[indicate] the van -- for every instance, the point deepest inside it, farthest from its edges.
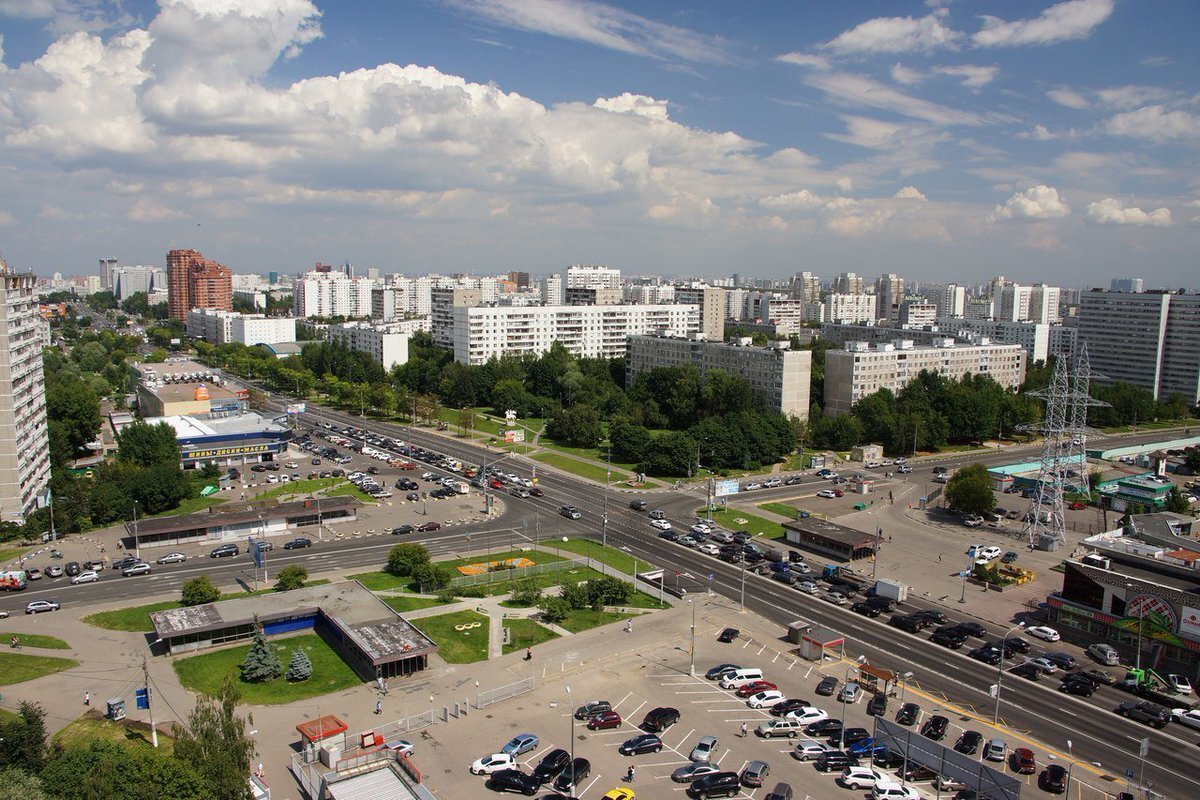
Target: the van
(782, 791)
(740, 677)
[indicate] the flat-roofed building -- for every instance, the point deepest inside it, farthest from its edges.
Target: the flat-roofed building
(445, 299)
(385, 342)
(778, 375)
(224, 327)
(711, 301)
(228, 441)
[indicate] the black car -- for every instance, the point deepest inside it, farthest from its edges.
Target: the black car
(716, 672)
(988, 655)
(886, 758)
(400, 530)
(1053, 779)
(1061, 660)
(826, 727)
(72, 569)
(1027, 671)
(670, 536)
(123, 563)
(935, 727)
(575, 772)
(513, 780)
(297, 543)
(866, 609)
(882, 603)
(827, 686)
(908, 713)
(551, 765)
(718, 784)
(786, 577)
(948, 637)
(224, 551)
(1017, 644)
(646, 743)
(782, 709)
(834, 760)
(659, 719)
(1145, 712)
(917, 772)
(1080, 687)
(877, 707)
(728, 635)
(638, 505)
(972, 629)
(849, 736)
(909, 622)
(934, 616)
(968, 743)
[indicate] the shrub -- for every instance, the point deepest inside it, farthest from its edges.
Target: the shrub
(300, 667)
(403, 559)
(199, 591)
(554, 609)
(291, 577)
(262, 663)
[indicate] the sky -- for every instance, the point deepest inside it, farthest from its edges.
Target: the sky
(945, 140)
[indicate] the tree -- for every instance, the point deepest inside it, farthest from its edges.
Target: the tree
(554, 609)
(1177, 501)
(630, 442)
(103, 769)
(404, 558)
(74, 413)
(609, 591)
(673, 454)
(300, 666)
(19, 783)
(970, 490)
(23, 739)
(215, 744)
(159, 488)
(262, 663)
(147, 445)
(198, 591)
(291, 577)
(1192, 459)
(431, 577)
(578, 426)
(101, 301)
(136, 305)
(526, 593)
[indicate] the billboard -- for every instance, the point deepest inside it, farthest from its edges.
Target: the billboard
(512, 436)
(1189, 622)
(295, 408)
(726, 487)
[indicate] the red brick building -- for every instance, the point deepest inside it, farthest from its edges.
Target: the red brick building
(194, 281)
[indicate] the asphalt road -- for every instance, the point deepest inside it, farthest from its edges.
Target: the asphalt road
(1037, 710)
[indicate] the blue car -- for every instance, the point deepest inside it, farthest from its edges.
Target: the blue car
(862, 747)
(521, 743)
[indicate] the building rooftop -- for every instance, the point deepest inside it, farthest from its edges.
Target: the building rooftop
(170, 367)
(186, 392)
(283, 348)
(239, 513)
(193, 426)
(833, 532)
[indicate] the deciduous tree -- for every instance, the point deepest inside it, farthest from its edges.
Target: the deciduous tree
(214, 743)
(969, 491)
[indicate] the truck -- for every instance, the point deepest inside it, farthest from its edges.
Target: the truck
(13, 580)
(893, 590)
(1148, 684)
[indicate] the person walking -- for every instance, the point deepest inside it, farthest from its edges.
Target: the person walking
(745, 729)
(528, 654)
(87, 698)
(378, 706)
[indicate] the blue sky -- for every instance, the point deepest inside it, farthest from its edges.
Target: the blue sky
(946, 140)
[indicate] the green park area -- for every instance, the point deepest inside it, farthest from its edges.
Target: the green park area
(461, 636)
(93, 727)
(736, 519)
(40, 641)
(404, 603)
(136, 619)
(524, 633)
(18, 668)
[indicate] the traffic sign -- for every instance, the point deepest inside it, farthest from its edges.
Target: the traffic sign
(1129, 774)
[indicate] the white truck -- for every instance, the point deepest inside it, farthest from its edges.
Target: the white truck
(13, 580)
(893, 590)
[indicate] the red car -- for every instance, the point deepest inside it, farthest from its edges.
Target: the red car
(430, 526)
(604, 721)
(1023, 761)
(839, 493)
(495, 484)
(1077, 506)
(754, 688)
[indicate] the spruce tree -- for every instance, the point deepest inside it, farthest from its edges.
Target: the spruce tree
(300, 667)
(261, 664)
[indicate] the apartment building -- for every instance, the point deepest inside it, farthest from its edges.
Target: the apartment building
(128, 281)
(223, 327)
(1129, 285)
(194, 281)
(889, 292)
(777, 374)
(848, 283)
(861, 369)
(587, 296)
(807, 287)
(553, 291)
(485, 332)
(441, 316)
(1150, 339)
(1039, 339)
(585, 276)
(951, 300)
(711, 300)
(387, 342)
(24, 441)
(331, 294)
(848, 308)
(786, 313)
(916, 313)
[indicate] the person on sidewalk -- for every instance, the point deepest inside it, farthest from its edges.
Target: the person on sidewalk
(87, 698)
(629, 626)
(528, 654)
(378, 706)
(745, 729)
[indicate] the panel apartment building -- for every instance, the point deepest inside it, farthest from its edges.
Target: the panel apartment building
(486, 332)
(861, 369)
(387, 343)
(194, 281)
(24, 441)
(1147, 339)
(778, 375)
(331, 294)
(223, 327)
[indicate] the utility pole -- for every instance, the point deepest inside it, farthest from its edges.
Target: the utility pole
(149, 705)
(604, 520)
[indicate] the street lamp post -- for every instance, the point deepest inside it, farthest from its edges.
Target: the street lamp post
(842, 734)
(571, 714)
(604, 519)
(1000, 670)
(692, 667)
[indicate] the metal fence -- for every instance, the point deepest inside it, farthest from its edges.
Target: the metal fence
(487, 697)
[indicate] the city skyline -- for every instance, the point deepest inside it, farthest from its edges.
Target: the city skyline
(948, 143)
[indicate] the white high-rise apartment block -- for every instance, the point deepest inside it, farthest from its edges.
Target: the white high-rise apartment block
(127, 281)
(785, 313)
(582, 276)
(24, 439)
(777, 374)
(107, 265)
(332, 294)
(849, 308)
(951, 301)
(386, 342)
(486, 332)
(441, 315)
(254, 282)
(1129, 285)
(917, 313)
(735, 303)
(647, 293)
(889, 291)
(225, 327)
(554, 292)
(848, 283)
(807, 287)
(1044, 304)
(1014, 303)
(711, 300)
(862, 369)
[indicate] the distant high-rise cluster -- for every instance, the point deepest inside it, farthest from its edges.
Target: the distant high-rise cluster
(194, 281)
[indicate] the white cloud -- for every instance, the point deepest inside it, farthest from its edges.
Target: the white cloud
(1109, 211)
(1068, 98)
(804, 60)
(68, 16)
(973, 76)
(634, 104)
(601, 25)
(909, 193)
(850, 89)
(1122, 97)
(1038, 202)
(895, 35)
(906, 76)
(800, 199)
(1074, 19)
(1155, 123)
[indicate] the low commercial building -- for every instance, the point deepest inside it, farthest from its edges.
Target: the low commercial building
(777, 374)
(237, 524)
(829, 539)
(227, 441)
(173, 388)
(861, 369)
(1148, 491)
(372, 638)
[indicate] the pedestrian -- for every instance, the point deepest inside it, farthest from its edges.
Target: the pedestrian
(385, 687)
(939, 558)
(378, 706)
(87, 698)
(629, 775)
(629, 626)
(745, 728)
(528, 654)
(260, 769)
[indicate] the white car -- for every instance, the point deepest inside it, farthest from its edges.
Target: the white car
(1179, 684)
(809, 749)
(860, 777)
(830, 493)
(493, 763)
(750, 487)
(771, 483)
(1044, 664)
(808, 715)
(973, 520)
(709, 549)
(1043, 632)
(703, 527)
(1187, 716)
(904, 469)
(889, 789)
(172, 558)
(765, 699)
(38, 606)
(87, 576)
(661, 524)
(991, 553)
(808, 587)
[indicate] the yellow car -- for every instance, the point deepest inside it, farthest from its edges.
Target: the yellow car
(619, 793)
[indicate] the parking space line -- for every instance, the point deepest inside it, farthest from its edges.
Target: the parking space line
(636, 710)
(706, 691)
(622, 700)
(590, 785)
(535, 755)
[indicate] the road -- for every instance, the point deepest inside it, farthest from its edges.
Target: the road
(1036, 709)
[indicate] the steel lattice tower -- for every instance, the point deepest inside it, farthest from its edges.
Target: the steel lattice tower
(1045, 516)
(1077, 428)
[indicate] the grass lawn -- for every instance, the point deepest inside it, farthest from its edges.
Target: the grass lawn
(454, 646)
(353, 491)
(611, 556)
(299, 487)
(583, 469)
(757, 526)
(190, 505)
(782, 509)
(38, 640)
(380, 581)
(8, 716)
(582, 619)
(135, 619)
(204, 672)
(15, 668)
(9, 553)
(643, 600)
(526, 633)
(92, 727)
(407, 603)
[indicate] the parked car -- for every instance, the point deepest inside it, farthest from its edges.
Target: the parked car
(605, 720)
(995, 750)
(908, 713)
(551, 765)
(1044, 632)
(1053, 779)
(719, 784)
(140, 568)
(429, 526)
(756, 772)
(38, 606)
(968, 743)
(705, 749)
(659, 719)
(224, 551)
(513, 780)
(87, 576)
(690, 772)
(591, 709)
(809, 749)
(521, 743)
(125, 561)
(935, 727)
(860, 777)
(297, 543)
(171, 558)
(1023, 762)
(488, 765)
(646, 743)
(877, 707)
(576, 771)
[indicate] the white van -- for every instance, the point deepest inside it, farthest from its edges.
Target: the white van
(740, 677)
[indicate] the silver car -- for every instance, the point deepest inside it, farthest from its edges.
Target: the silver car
(704, 749)
(689, 772)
